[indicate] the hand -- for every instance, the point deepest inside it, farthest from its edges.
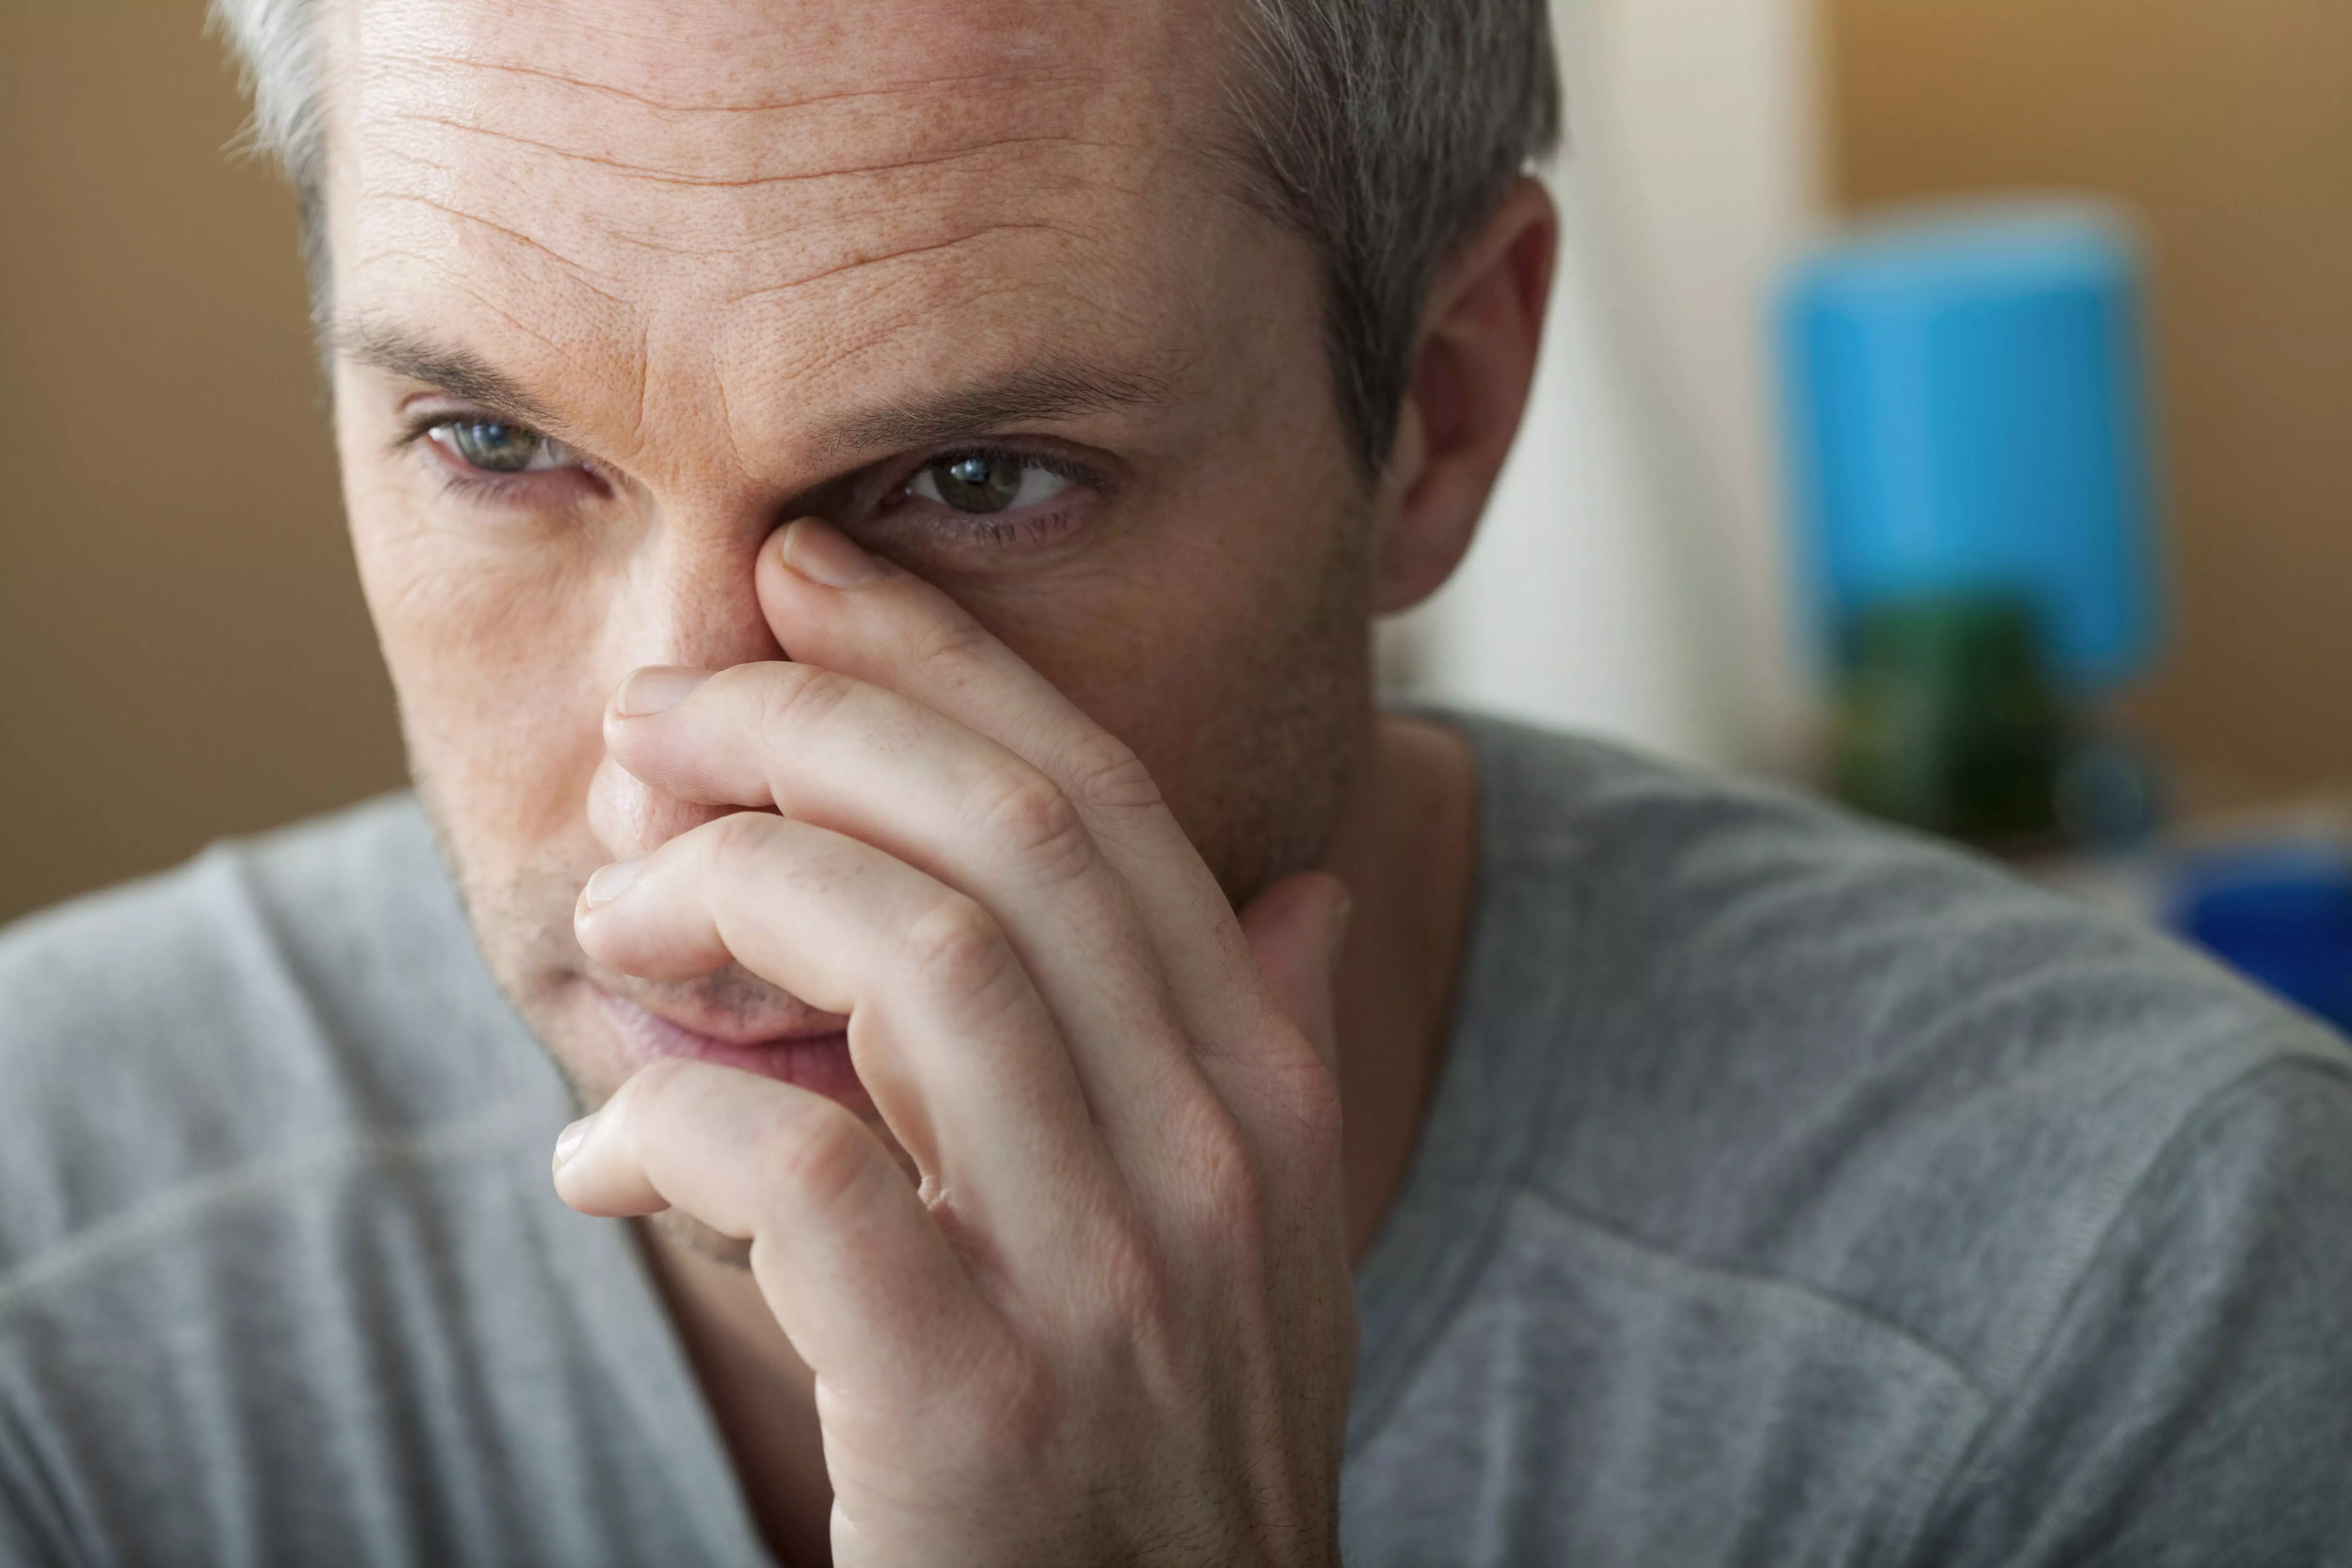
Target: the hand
(1114, 1324)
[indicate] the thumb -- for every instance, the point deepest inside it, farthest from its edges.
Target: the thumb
(1296, 930)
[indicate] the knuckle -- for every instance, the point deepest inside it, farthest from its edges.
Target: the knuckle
(1131, 1278)
(1027, 813)
(956, 949)
(1226, 1192)
(796, 696)
(1316, 1115)
(952, 646)
(1105, 773)
(821, 1156)
(1304, 1093)
(1236, 1196)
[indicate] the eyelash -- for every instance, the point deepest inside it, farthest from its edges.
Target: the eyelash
(416, 433)
(996, 529)
(986, 528)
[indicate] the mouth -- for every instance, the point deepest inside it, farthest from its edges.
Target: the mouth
(815, 1059)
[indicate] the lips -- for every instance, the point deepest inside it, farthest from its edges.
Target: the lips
(814, 1058)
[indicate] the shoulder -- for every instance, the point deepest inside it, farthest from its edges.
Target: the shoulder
(242, 907)
(275, 1000)
(2192, 1400)
(1791, 1046)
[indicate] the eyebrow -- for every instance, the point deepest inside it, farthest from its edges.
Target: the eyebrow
(1050, 389)
(458, 371)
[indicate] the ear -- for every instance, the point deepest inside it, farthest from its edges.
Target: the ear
(1472, 368)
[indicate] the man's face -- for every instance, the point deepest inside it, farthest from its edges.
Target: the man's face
(959, 276)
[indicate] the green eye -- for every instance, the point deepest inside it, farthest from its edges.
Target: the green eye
(499, 448)
(986, 482)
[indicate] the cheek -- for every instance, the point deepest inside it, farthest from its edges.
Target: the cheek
(1205, 641)
(490, 650)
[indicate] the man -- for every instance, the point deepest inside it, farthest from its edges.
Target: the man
(873, 514)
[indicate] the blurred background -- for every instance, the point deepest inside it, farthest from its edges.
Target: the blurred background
(186, 653)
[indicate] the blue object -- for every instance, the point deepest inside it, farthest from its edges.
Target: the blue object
(2280, 914)
(1967, 412)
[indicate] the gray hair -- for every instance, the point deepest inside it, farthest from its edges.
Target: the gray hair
(1384, 130)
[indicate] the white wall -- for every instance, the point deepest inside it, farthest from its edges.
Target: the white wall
(1630, 578)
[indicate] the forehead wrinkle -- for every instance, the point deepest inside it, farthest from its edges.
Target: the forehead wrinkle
(1007, 100)
(862, 209)
(870, 328)
(906, 87)
(665, 177)
(581, 270)
(511, 126)
(1013, 99)
(906, 253)
(447, 82)
(752, 56)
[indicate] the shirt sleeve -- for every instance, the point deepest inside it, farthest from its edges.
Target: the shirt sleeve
(2194, 1403)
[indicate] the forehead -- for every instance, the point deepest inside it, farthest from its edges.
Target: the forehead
(696, 206)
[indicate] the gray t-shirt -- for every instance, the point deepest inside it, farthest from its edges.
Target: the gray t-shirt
(1793, 1193)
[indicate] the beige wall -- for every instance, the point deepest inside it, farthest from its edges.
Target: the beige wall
(2227, 124)
(182, 648)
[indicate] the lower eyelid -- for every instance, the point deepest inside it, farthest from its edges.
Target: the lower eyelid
(1045, 521)
(527, 488)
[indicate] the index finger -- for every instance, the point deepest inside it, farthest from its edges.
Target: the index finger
(857, 1273)
(834, 604)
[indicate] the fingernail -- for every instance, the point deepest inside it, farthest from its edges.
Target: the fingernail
(611, 881)
(568, 1141)
(825, 555)
(657, 688)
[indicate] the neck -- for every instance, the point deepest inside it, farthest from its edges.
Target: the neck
(1405, 844)
(761, 1395)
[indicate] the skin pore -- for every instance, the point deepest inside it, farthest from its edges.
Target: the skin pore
(683, 276)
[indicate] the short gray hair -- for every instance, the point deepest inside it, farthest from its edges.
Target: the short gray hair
(1385, 130)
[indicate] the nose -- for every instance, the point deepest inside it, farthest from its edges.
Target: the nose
(630, 817)
(688, 599)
